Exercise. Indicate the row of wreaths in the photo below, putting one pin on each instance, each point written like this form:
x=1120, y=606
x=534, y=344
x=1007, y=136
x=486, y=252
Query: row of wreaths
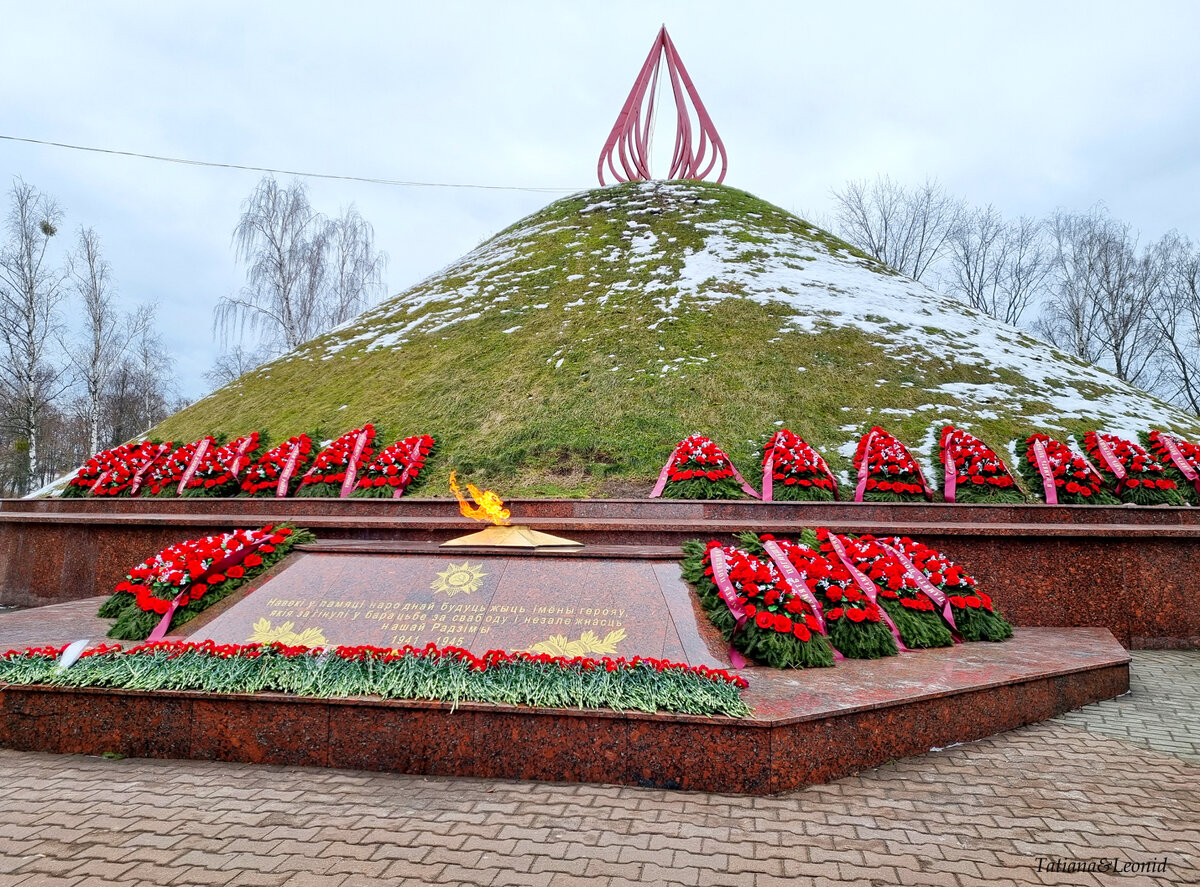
x=1160, y=469
x=352, y=465
x=808, y=601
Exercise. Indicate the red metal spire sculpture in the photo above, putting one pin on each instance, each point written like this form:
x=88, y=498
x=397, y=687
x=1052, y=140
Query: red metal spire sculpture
x=629, y=142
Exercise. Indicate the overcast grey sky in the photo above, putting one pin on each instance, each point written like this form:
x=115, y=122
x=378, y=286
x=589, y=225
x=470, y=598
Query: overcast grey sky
x=1030, y=106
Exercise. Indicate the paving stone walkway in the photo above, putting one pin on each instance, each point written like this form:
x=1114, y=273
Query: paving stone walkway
x=1162, y=709
x=1115, y=780
x=53, y=625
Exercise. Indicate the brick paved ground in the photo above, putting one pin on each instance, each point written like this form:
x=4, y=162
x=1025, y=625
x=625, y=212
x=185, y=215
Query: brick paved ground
x=1162, y=710
x=53, y=624
x=974, y=814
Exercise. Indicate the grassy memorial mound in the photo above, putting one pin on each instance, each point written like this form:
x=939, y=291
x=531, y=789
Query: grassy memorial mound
x=571, y=352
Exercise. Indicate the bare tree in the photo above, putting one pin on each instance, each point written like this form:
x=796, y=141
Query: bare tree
x=1027, y=268
x=232, y=364
x=1103, y=292
x=907, y=229
x=31, y=290
x=153, y=372
x=106, y=335
x=1176, y=314
x=305, y=273
x=355, y=267
x=275, y=238
x=996, y=266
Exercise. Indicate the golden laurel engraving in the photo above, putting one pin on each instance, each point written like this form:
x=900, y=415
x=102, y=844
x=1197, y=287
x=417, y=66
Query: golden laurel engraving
x=588, y=644
x=457, y=578
x=265, y=633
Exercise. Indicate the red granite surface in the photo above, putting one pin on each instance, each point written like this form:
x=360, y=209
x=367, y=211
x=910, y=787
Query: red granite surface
x=636, y=607
x=809, y=726
x=1128, y=569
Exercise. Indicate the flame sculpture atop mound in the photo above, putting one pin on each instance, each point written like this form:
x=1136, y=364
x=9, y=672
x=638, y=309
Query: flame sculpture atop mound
x=629, y=141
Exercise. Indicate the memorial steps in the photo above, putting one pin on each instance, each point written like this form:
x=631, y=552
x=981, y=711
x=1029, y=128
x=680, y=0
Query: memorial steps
x=808, y=727
x=1127, y=569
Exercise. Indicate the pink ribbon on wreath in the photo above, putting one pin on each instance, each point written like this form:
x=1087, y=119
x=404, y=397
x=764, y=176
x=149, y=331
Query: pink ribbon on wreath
x=352, y=467
x=930, y=590
x=136, y=483
x=100, y=480
x=1047, y=473
x=414, y=456
x=230, y=560
x=829, y=474
x=729, y=595
x=1110, y=458
x=795, y=580
x=234, y=467
x=864, y=469
x=768, y=484
x=1111, y=462
x=789, y=572
x=1181, y=461
x=1091, y=466
x=193, y=465
x=925, y=491
x=741, y=480
x=951, y=485
x=662, y=475
x=866, y=586
x=289, y=468
x=666, y=470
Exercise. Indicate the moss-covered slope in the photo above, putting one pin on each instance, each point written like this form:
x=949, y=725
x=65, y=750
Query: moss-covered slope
x=567, y=355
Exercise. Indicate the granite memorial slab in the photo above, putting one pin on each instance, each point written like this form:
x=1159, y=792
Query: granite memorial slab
x=564, y=606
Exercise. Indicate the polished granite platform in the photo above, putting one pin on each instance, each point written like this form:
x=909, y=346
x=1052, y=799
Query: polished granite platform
x=1128, y=569
x=807, y=727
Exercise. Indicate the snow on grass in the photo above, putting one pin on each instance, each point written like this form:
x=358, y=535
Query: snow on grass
x=831, y=289
x=673, y=263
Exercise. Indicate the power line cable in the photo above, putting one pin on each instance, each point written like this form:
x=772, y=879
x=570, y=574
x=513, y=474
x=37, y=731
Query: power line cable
x=285, y=172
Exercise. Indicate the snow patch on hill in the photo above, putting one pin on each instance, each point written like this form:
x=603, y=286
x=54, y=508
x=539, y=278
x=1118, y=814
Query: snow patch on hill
x=824, y=287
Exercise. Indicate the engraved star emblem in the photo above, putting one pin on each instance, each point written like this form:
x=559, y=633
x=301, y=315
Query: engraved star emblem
x=456, y=578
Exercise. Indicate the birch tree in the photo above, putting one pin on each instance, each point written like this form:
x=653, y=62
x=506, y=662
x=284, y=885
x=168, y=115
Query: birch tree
x=232, y=364
x=153, y=371
x=1103, y=292
x=1176, y=314
x=355, y=267
x=31, y=292
x=107, y=334
x=304, y=273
